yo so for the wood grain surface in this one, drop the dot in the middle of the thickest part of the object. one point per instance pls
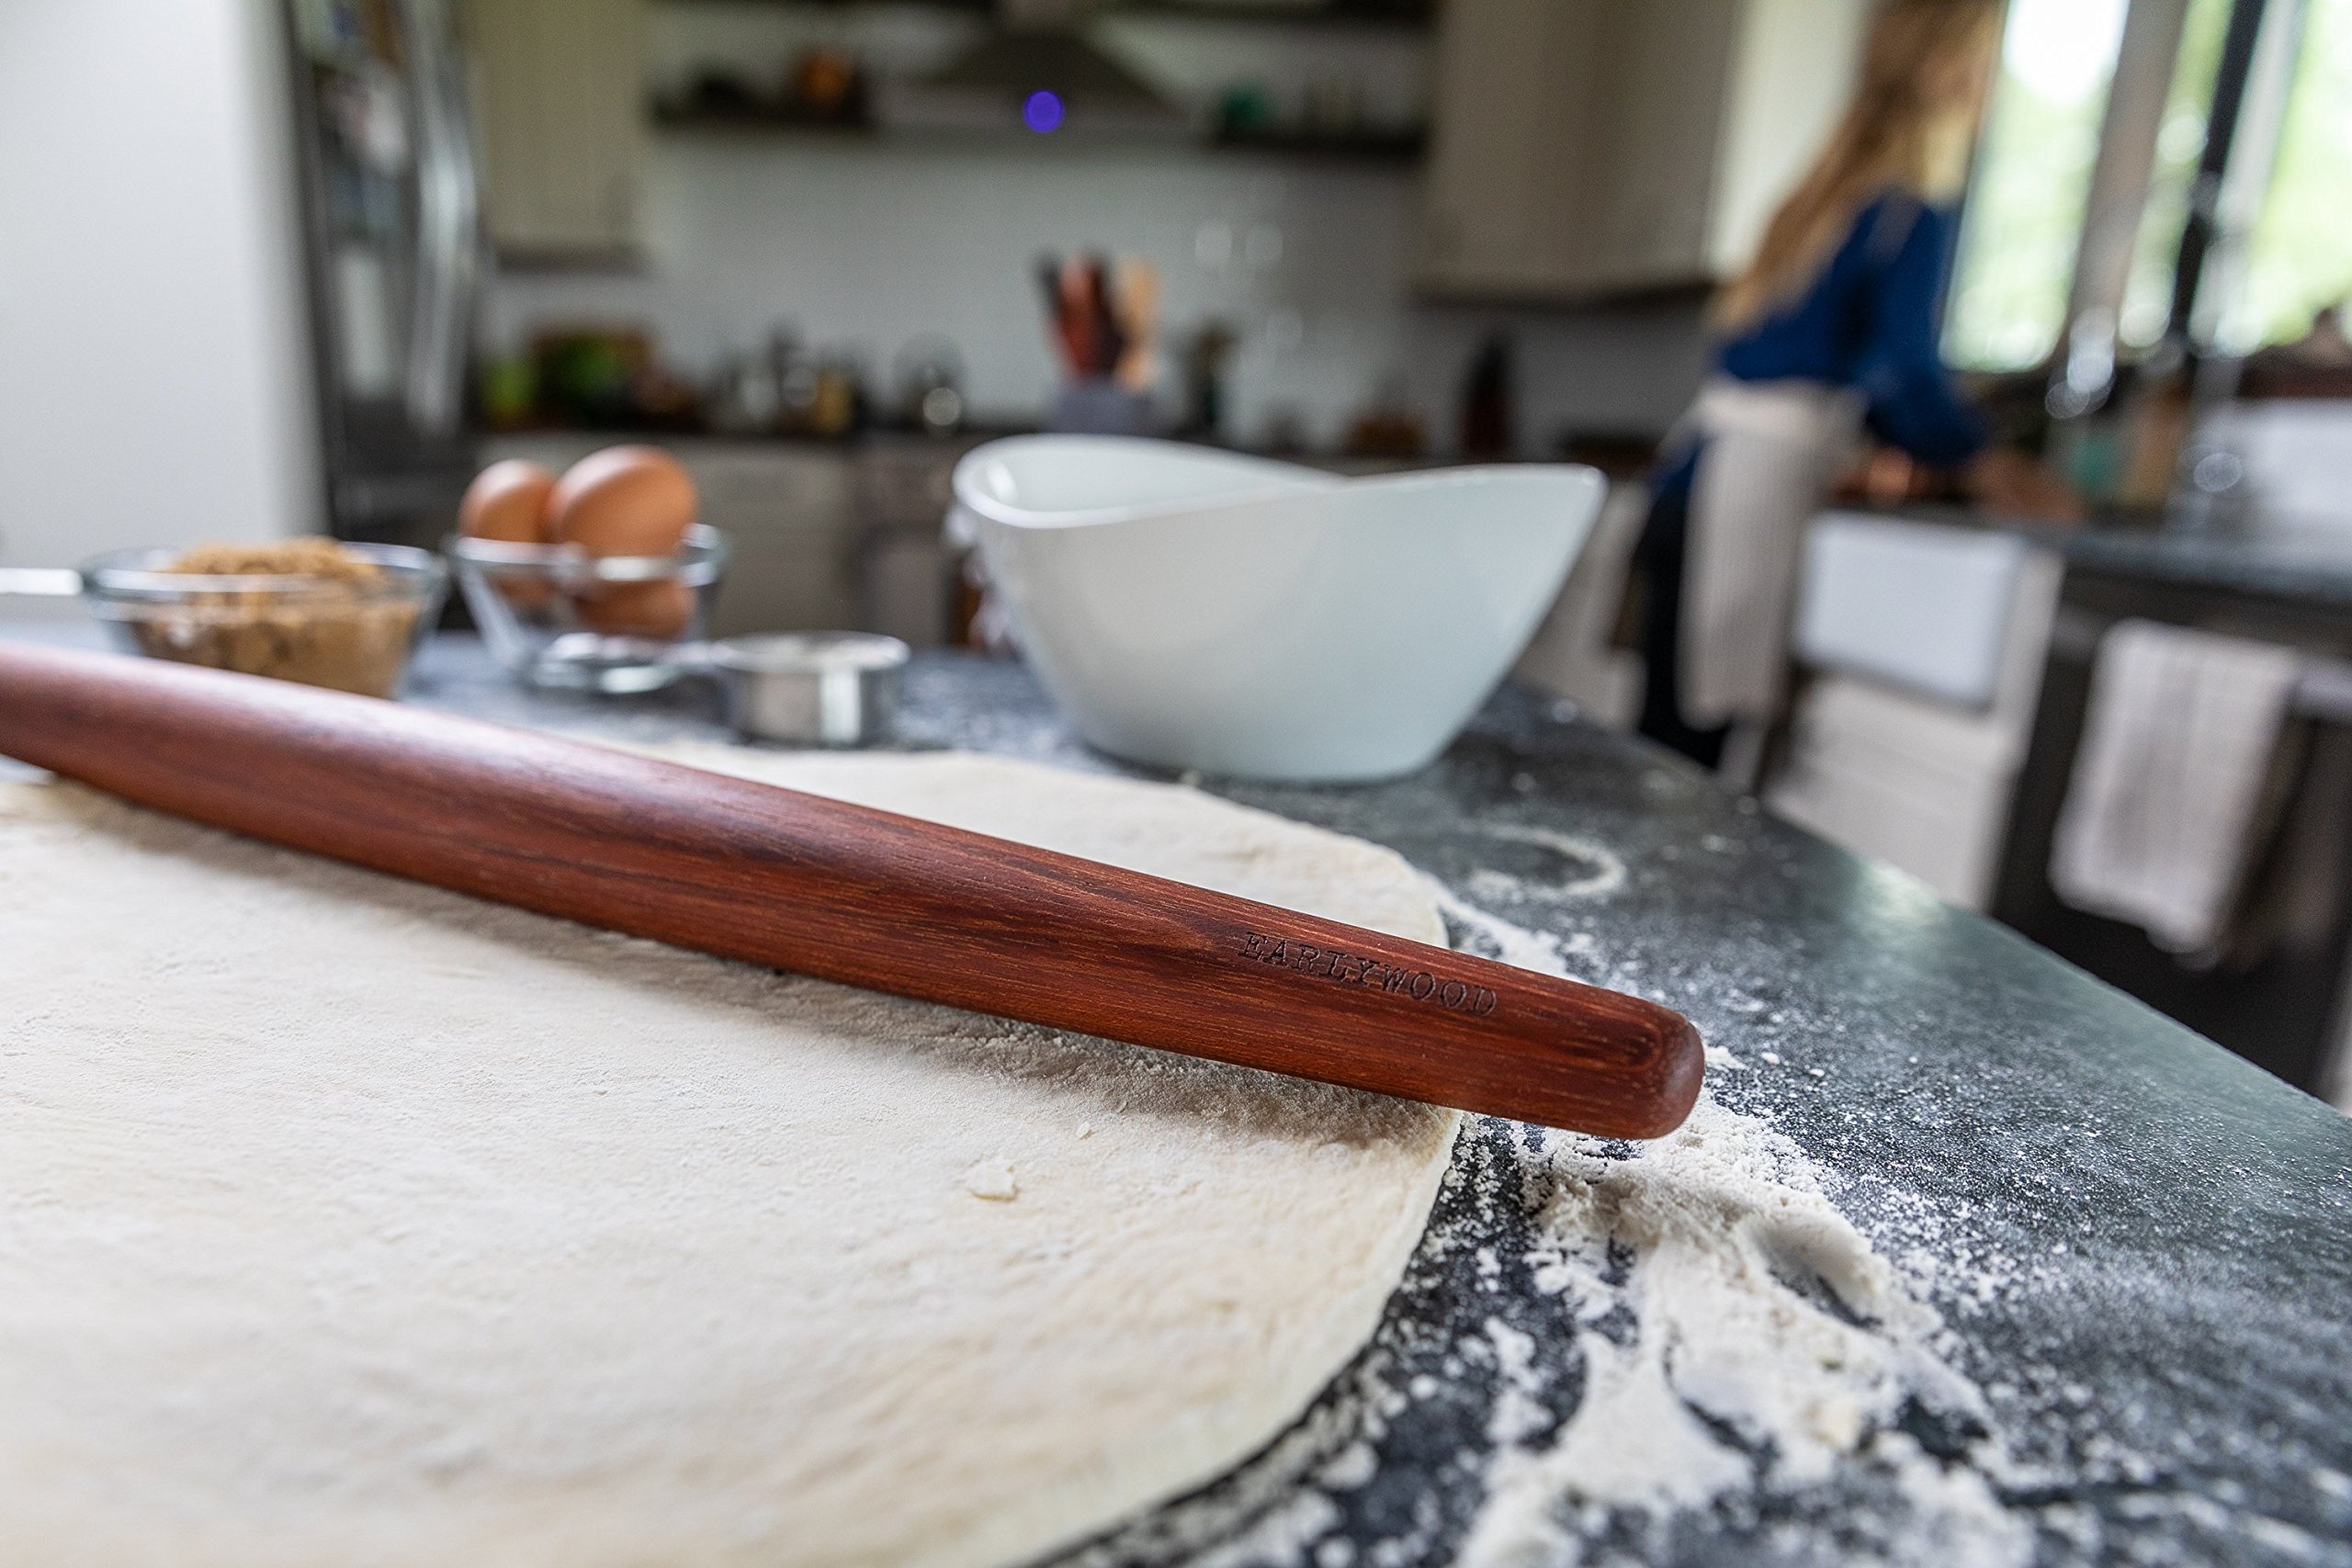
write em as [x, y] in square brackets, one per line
[794, 881]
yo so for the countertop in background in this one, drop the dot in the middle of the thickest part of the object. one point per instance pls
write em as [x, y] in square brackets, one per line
[2165, 1349]
[2309, 565]
[2305, 564]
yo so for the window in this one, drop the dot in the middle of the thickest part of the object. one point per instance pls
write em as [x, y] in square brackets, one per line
[2024, 216]
[2155, 255]
[2299, 257]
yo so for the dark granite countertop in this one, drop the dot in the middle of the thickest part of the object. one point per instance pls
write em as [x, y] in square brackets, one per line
[2167, 1369]
[2157, 1299]
[2304, 563]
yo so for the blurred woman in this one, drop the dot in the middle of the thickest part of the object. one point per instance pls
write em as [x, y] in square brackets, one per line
[1831, 329]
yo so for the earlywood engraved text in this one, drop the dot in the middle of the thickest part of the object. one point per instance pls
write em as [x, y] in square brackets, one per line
[1348, 969]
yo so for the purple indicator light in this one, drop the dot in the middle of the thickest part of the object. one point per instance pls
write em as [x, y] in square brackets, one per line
[1041, 112]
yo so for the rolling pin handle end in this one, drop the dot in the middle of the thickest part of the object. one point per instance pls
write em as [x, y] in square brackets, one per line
[1678, 1061]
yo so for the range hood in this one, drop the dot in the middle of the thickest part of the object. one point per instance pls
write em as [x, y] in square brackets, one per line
[1037, 70]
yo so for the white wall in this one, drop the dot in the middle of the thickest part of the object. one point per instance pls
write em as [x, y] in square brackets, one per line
[153, 372]
[864, 245]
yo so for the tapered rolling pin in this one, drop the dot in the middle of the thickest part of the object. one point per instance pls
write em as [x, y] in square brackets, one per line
[794, 881]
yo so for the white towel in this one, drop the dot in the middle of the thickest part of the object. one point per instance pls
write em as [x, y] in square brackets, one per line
[2170, 777]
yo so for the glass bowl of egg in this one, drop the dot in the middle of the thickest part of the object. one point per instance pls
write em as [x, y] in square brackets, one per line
[596, 580]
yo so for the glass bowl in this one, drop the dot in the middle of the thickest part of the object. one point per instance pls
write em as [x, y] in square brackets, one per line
[555, 615]
[351, 634]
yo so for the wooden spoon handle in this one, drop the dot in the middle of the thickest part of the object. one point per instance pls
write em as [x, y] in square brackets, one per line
[794, 881]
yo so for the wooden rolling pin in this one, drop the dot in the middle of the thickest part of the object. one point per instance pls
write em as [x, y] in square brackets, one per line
[794, 881]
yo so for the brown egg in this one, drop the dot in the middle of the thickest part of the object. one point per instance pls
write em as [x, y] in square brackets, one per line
[508, 501]
[661, 608]
[623, 500]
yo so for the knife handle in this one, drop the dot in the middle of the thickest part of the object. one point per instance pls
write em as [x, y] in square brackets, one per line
[794, 881]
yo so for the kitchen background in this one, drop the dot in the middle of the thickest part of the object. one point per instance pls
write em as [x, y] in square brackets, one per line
[320, 261]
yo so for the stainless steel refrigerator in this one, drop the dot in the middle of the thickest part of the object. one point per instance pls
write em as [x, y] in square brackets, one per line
[393, 257]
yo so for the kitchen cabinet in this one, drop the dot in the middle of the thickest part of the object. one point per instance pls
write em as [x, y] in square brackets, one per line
[1922, 647]
[557, 84]
[790, 513]
[1572, 653]
[1583, 148]
[2282, 998]
[910, 577]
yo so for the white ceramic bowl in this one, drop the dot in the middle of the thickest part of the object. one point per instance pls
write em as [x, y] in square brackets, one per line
[1194, 609]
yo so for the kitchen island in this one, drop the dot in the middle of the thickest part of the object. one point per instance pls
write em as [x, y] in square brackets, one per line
[2288, 586]
[2142, 1244]
[2137, 1248]
[2278, 997]
[2303, 564]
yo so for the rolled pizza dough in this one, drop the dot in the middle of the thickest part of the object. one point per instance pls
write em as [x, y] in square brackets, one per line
[347, 1220]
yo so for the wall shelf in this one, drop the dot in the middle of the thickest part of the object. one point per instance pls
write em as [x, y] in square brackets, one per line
[760, 118]
[1415, 15]
[1395, 147]
[1407, 14]
[1402, 144]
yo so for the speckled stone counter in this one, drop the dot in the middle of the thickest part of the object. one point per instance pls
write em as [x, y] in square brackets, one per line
[2300, 566]
[2301, 563]
[2156, 1300]
[2167, 1360]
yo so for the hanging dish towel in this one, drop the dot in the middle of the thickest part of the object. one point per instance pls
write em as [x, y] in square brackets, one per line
[2170, 781]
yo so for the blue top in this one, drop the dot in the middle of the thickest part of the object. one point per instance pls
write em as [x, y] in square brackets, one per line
[1869, 321]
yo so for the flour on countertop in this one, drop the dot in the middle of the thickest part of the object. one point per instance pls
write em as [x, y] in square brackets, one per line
[1586, 869]
[1681, 1329]
[1735, 1330]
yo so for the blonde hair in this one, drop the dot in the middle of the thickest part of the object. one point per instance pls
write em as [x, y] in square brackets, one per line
[1906, 129]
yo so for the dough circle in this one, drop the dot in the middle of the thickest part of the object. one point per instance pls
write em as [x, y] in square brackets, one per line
[343, 1220]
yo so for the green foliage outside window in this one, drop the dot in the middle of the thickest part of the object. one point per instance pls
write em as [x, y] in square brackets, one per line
[2026, 201]
[2147, 298]
[2299, 257]
[2024, 216]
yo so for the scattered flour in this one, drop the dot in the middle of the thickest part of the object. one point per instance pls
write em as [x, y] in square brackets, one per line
[1737, 1333]
[1500, 939]
[1282, 1535]
[1606, 877]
